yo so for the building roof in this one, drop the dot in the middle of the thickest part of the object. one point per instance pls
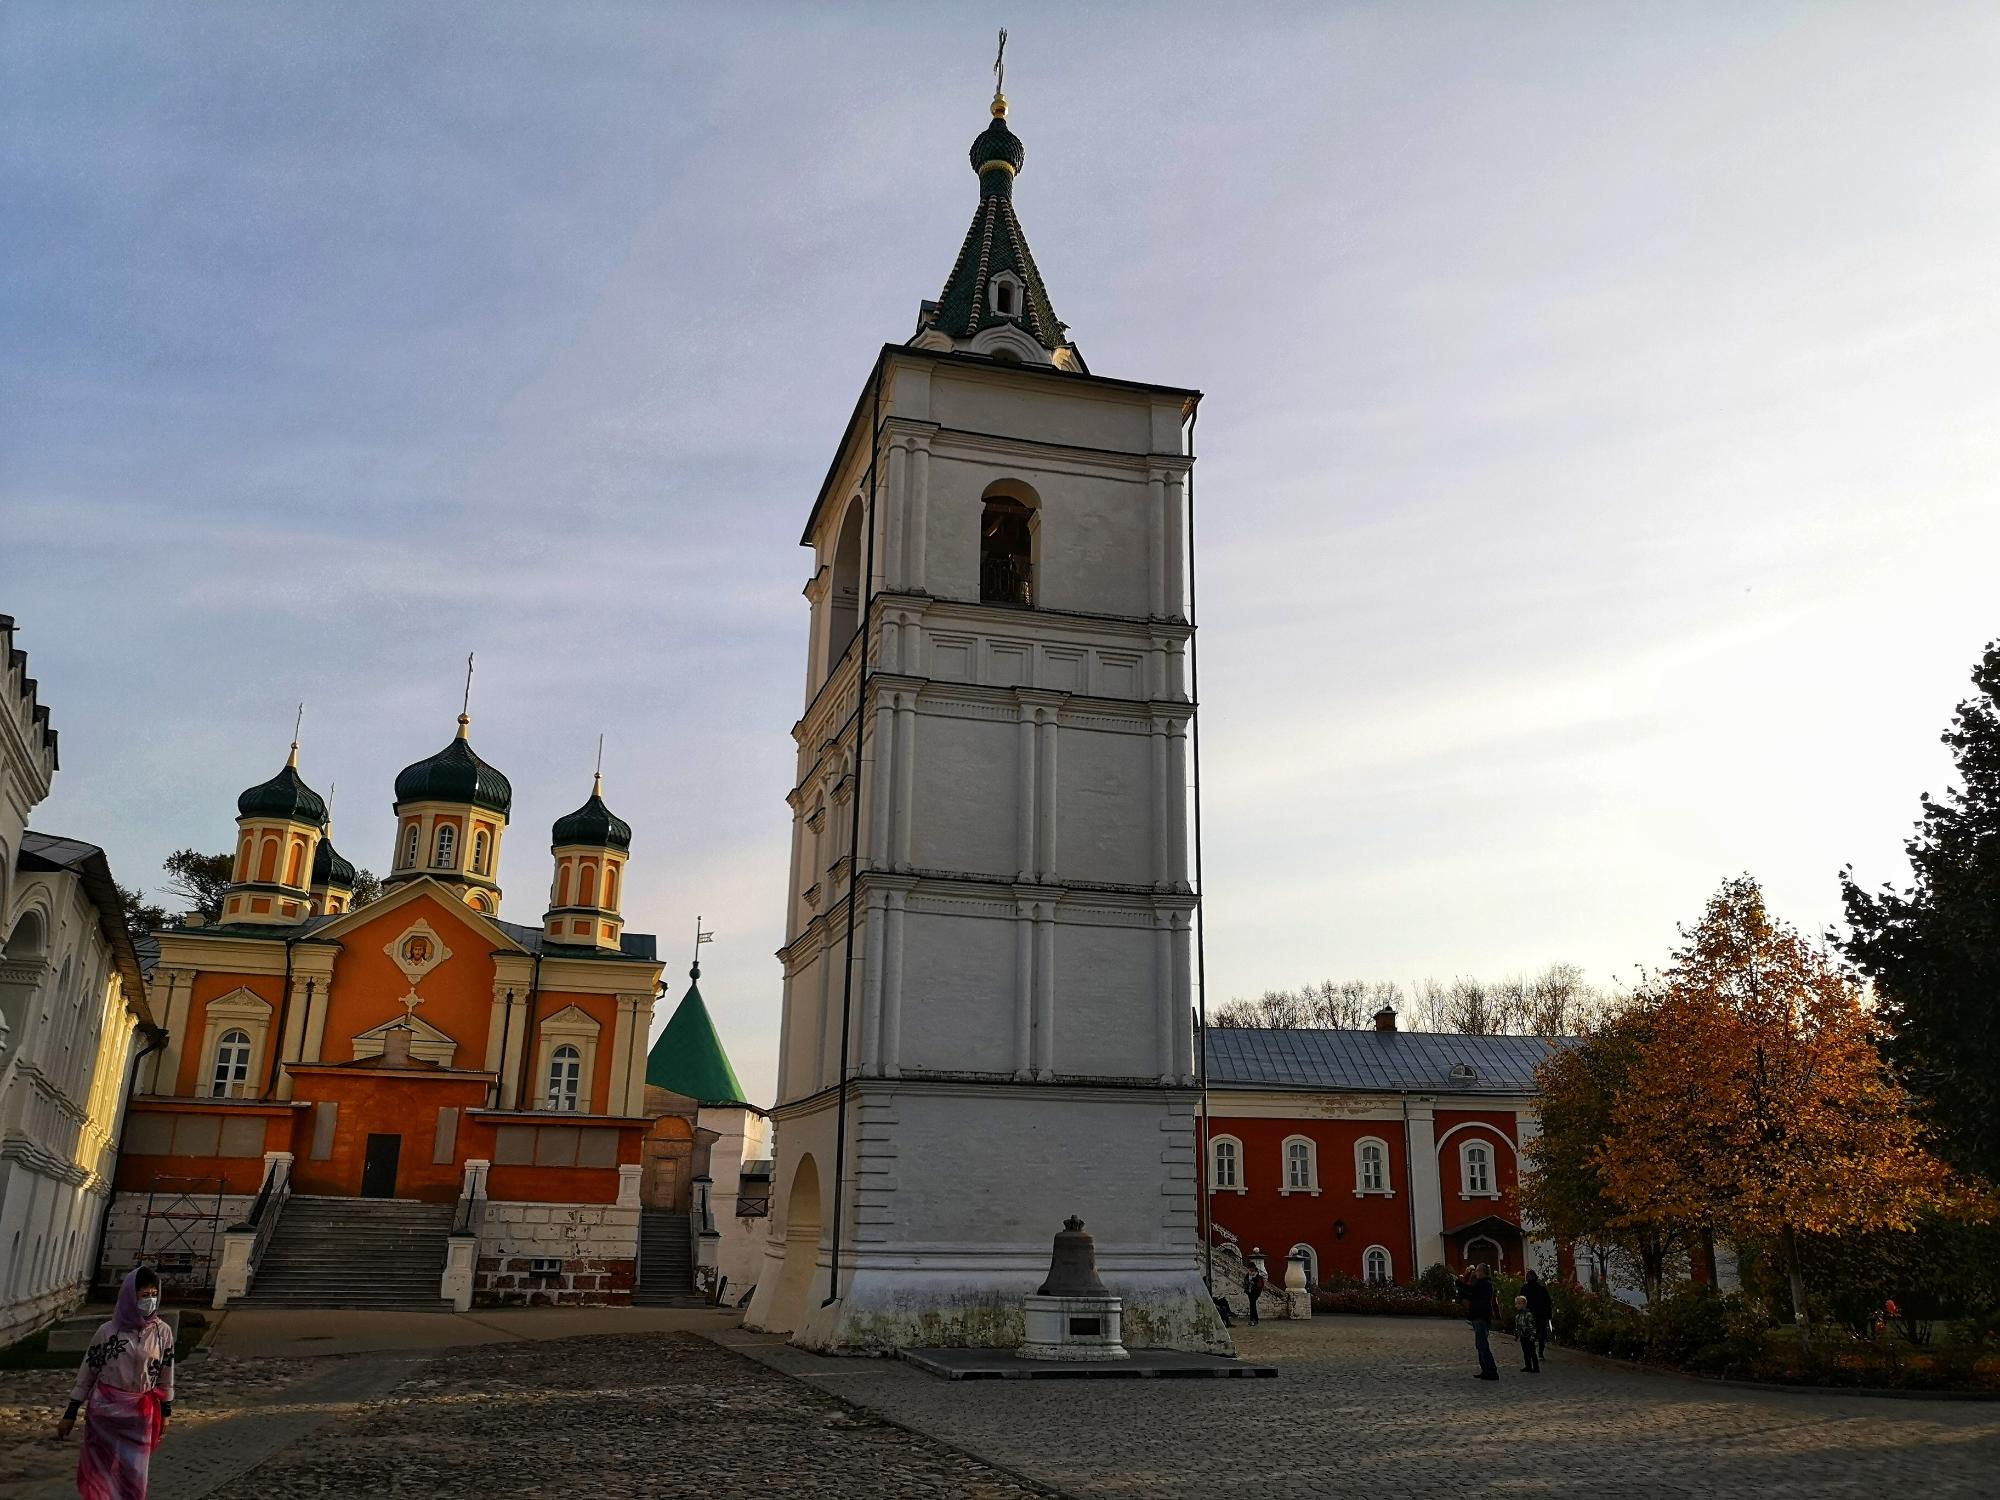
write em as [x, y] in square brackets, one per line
[689, 1058]
[284, 796]
[642, 946]
[330, 868]
[995, 243]
[593, 824]
[1423, 1062]
[50, 852]
[455, 774]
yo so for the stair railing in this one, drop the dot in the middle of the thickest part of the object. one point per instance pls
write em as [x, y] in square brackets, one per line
[266, 1211]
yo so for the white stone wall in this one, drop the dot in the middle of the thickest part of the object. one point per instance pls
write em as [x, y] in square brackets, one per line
[66, 1043]
[193, 1233]
[596, 1243]
[1018, 1000]
[741, 1135]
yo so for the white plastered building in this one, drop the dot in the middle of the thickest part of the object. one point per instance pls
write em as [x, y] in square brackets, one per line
[72, 1002]
[988, 990]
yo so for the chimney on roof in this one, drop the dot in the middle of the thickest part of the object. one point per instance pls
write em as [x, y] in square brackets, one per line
[396, 1047]
[1385, 1018]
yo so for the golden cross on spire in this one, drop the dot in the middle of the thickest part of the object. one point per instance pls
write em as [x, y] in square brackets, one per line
[297, 723]
[1000, 66]
[597, 781]
[466, 707]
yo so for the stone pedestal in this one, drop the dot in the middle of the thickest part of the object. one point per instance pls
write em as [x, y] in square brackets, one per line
[1073, 1328]
[461, 1255]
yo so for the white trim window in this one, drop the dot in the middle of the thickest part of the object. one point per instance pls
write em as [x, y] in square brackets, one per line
[410, 847]
[1313, 1263]
[480, 850]
[447, 846]
[1377, 1269]
[232, 1066]
[1301, 1163]
[1225, 1165]
[566, 1079]
[1475, 1170]
[1371, 1167]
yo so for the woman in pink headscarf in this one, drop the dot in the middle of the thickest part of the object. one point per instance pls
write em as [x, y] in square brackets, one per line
[127, 1376]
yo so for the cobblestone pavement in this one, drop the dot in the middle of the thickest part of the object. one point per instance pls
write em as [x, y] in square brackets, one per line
[1384, 1407]
[610, 1418]
[219, 1389]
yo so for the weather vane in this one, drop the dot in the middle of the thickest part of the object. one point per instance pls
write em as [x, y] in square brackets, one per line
[1000, 65]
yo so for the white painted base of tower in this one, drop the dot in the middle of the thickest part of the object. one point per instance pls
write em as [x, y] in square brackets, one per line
[954, 1189]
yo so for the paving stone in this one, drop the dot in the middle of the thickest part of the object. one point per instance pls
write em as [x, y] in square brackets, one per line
[635, 1415]
[1384, 1407]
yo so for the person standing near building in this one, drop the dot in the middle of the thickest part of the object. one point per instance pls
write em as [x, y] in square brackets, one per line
[1477, 1293]
[127, 1377]
[1542, 1307]
[1524, 1331]
[1253, 1286]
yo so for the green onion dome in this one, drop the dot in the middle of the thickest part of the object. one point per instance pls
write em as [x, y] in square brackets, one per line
[997, 153]
[284, 796]
[455, 774]
[330, 869]
[593, 824]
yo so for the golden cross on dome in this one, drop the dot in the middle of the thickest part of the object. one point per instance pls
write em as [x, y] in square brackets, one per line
[1000, 66]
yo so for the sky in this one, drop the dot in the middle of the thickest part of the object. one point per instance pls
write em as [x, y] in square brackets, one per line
[1596, 473]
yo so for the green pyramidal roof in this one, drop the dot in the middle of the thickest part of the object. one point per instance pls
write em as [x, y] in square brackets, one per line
[688, 1058]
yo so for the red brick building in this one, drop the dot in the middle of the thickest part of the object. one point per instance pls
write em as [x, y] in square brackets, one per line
[1376, 1153]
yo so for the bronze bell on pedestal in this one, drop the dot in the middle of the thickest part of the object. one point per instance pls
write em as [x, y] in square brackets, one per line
[1073, 1265]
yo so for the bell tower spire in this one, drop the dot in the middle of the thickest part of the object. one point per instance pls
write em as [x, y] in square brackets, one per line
[994, 302]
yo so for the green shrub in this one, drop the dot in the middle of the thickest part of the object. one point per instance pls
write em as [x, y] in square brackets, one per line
[1689, 1318]
[1438, 1283]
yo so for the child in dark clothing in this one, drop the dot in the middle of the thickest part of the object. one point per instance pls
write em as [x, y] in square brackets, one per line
[1529, 1335]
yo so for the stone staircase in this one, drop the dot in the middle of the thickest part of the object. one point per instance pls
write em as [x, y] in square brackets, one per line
[666, 1261]
[355, 1252]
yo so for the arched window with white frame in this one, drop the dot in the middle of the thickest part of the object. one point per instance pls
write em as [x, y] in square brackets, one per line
[1307, 1254]
[481, 852]
[566, 1079]
[232, 1066]
[1301, 1161]
[1475, 1170]
[1376, 1267]
[447, 846]
[1225, 1165]
[410, 847]
[1371, 1167]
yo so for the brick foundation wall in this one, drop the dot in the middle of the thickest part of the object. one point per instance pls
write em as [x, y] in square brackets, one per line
[595, 1245]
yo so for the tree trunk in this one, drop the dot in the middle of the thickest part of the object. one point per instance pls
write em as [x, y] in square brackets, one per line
[1708, 1259]
[1790, 1241]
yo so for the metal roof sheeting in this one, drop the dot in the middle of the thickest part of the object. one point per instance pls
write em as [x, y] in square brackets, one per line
[1421, 1062]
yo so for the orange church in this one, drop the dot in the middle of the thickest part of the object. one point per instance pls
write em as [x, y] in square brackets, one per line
[410, 1102]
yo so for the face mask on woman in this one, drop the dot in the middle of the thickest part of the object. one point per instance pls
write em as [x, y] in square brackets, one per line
[149, 1305]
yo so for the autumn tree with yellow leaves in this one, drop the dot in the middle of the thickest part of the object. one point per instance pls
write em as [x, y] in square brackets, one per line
[1759, 1104]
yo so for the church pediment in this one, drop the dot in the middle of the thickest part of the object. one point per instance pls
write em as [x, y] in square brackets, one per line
[426, 1041]
[426, 900]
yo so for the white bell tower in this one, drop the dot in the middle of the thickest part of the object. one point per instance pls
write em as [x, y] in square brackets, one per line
[988, 1000]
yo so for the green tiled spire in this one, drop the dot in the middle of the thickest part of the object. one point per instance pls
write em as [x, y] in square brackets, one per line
[688, 1058]
[994, 244]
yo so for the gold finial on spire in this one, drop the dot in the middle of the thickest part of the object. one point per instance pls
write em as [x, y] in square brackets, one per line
[1000, 78]
[465, 709]
[597, 779]
[292, 760]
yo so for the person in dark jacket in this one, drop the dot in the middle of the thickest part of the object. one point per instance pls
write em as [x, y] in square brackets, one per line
[1476, 1291]
[1541, 1308]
